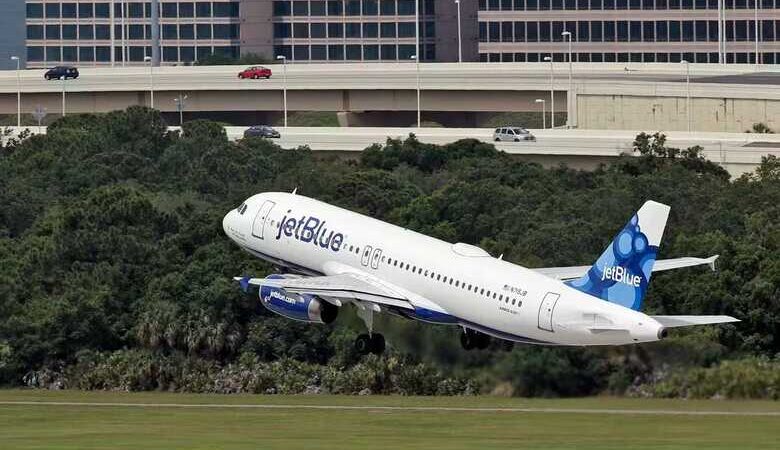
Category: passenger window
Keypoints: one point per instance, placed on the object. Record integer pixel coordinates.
(469, 287)
(457, 283)
(426, 272)
(438, 277)
(498, 130)
(482, 291)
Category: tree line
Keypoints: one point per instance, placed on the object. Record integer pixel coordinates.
(116, 273)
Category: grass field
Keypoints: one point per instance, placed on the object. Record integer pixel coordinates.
(177, 421)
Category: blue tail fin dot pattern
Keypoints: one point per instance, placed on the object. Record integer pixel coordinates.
(622, 273)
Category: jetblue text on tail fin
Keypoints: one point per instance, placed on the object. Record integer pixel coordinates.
(622, 272)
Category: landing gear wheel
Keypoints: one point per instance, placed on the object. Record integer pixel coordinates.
(363, 344)
(498, 139)
(377, 344)
(483, 341)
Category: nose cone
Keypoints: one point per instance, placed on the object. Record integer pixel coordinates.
(227, 221)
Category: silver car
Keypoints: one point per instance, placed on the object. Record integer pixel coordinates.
(512, 134)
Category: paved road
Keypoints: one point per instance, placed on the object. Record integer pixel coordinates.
(510, 76)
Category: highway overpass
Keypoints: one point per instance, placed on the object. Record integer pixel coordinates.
(584, 149)
(724, 98)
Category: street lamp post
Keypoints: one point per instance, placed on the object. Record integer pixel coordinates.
(417, 64)
(569, 99)
(460, 37)
(18, 92)
(283, 59)
(180, 106)
(687, 92)
(541, 100)
(552, 91)
(63, 95)
(151, 80)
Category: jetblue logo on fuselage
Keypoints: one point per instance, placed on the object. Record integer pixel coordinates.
(309, 229)
(621, 275)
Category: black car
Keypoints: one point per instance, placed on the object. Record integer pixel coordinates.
(261, 131)
(55, 73)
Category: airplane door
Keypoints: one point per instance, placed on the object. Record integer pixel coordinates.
(546, 311)
(258, 226)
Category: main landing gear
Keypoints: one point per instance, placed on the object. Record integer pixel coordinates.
(471, 339)
(371, 342)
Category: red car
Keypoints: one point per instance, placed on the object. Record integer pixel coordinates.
(255, 73)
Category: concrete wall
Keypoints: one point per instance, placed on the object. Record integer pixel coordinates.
(257, 35)
(670, 113)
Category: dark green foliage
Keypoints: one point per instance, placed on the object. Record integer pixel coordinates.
(116, 273)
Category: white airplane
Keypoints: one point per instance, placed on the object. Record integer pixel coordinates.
(329, 257)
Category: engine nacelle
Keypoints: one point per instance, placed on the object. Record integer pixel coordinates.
(303, 307)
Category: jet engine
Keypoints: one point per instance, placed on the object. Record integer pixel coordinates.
(303, 307)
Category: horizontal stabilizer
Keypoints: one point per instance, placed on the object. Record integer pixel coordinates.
(685, 321)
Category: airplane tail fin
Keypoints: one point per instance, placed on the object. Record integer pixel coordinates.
(622, 273)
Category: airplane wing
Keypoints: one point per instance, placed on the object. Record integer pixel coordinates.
(353, 286)
(574, 272)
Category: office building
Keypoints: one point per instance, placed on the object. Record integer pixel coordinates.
(630, 30)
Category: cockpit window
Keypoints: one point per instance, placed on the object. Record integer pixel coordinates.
(240, 206)
(243, 209)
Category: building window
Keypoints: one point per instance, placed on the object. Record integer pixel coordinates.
(101, 12)
(300, 30)
(300, 8)
(388, 52)
(406, 7)
(136, 10)
(370, 8)
(301, 52)
(405, 29)
(203, 30)
(52, 11)
(335, 30)
(102, 53)
(187, 54)
(318, 30)
(34, 31)
(86, 32)
(387, 7)
(86, 11)
(354, 53)
(186, 31)
(69, 32)
(353, 8)
(387, 30)
(53, 54)
(336, 53)
(352, 30)
(281, 30)
(319, 53)
(370, 30)
(102, 32)
(69, 12)
(169, 10)
(169, 32)
(35, 54)
(136, 32)
(203, 9)
(317, 8)
(282, 8)
(136, 53)
(35, 11)
(86, 54)
(52, 32)
(170, 53)
(335, 8)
